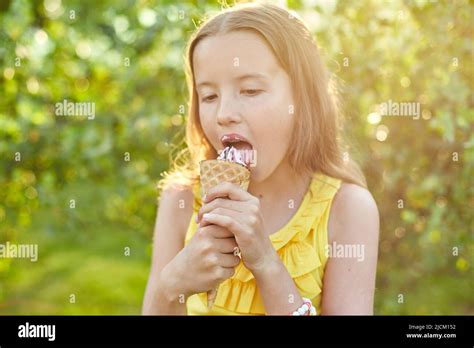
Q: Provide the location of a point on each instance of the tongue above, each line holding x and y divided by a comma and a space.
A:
242, 145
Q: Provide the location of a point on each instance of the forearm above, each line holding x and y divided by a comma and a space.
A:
278, 290
163, 298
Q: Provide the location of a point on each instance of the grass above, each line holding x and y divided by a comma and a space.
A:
82, 253
86, 260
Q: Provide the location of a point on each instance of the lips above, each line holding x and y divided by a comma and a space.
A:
236, 140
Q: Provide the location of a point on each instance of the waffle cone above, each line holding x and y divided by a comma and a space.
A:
214, 172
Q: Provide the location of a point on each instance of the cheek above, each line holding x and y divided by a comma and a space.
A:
278, 135
272, 130
276, 119
208, 124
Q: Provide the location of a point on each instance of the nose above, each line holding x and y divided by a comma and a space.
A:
228, 111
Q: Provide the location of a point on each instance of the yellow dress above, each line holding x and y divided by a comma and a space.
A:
301, 245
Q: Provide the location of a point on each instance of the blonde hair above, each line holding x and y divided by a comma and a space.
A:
317, 143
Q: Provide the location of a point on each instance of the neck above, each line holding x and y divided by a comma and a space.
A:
283, 183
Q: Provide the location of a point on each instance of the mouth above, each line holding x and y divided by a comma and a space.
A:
236, 140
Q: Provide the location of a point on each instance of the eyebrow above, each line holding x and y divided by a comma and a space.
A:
239, 78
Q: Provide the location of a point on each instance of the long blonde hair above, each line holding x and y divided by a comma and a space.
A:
317, 144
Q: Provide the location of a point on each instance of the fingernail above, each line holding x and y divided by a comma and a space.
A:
205, 216
204, 198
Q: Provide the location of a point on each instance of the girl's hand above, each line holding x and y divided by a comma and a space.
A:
229, 206
205, 262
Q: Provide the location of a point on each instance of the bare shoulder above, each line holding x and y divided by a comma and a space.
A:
173, 215
354, 214
176, 193
175, 207
349, 279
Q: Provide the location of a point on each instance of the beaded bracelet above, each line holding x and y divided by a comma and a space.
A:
306, 308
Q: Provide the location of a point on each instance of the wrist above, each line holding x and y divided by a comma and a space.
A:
171, 288
270, 267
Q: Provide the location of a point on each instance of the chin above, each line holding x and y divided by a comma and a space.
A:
254, 174
258, 175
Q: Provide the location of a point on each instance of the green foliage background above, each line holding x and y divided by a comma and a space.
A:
50, 50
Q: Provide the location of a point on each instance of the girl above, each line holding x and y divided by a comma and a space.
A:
307, 228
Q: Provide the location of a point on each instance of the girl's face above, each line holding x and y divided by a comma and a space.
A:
243, 90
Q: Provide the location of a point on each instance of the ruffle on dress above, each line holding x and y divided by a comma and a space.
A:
240, 292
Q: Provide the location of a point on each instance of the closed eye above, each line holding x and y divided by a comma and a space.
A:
251, 92
209, 98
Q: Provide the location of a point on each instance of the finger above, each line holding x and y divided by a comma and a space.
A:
228, 260
227, 189
227, 212
229, 222
226, 245
226, 273
220, 203
221, 211
215, 231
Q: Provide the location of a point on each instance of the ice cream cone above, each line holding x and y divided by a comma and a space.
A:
214, 172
